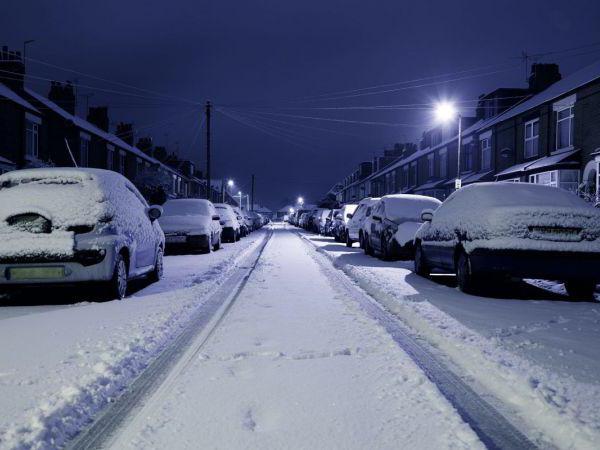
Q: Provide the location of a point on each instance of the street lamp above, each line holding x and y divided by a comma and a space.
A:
445, 112
230, 183
300, 201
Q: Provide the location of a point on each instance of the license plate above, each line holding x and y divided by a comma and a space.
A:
36, 273
175, 239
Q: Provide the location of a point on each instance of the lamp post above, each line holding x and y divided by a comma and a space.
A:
230, 184
300, 201
445, 112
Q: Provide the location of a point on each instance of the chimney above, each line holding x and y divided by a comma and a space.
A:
63, 96
99, 116
146, 145
125, 132
12, 69
542, 76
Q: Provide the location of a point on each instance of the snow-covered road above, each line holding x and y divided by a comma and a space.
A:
296, 364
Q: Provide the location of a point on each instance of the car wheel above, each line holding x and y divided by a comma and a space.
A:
421, 266
348, 241
157, 273
464, 274
385, 250
117, 286
367, 243
581, 289
217, 246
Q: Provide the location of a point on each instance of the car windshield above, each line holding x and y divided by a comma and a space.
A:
186, 208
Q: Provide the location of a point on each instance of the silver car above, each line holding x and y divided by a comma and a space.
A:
63, 226
191, 224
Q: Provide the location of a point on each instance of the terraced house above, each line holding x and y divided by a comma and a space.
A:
547, 134
38, 131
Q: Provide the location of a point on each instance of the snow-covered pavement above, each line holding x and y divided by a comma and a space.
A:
60, 365
296, 364
531, 348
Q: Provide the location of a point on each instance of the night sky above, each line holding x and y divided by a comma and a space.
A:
264, 61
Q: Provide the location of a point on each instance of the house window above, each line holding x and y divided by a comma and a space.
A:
122, 162
512, 180
413, 174
486, 153
430, 165
564, 128
84, 151
110, 157
31, 138
531, 138
139, 166
467, 158
443, 155
405, 180
564, 179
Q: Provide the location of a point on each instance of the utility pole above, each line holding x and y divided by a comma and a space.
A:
208, 181
252, 194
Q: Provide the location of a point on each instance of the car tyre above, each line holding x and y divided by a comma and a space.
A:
217, 246
464, 274
385, 250
157, 272
118, 285
581, 289
348, 241
421, 266
367, 243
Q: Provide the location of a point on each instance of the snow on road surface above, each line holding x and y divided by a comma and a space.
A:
60, 365
533, 349
296, 364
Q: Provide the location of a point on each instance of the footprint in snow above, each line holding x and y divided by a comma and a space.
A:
249, 422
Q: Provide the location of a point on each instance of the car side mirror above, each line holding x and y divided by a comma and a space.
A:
222, 222
427, 215
154, 212
349, 215
216, 217
377, 218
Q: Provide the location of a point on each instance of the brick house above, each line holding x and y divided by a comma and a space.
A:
546, 134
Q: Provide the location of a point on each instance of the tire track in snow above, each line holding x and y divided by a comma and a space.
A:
492, 428
199, 329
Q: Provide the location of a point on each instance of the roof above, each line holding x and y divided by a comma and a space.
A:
9, 94
91, 128
540, 163
430, 185
476, 177
6, 161
554, 91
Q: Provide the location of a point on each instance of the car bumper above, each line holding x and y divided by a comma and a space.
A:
551, 265
57, 272
193, 241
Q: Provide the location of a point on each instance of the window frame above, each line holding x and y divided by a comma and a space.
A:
32, 136
533, 138
488, 150
571, 119
431, 165
443, 162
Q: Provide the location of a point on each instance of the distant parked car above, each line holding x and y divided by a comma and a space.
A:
256, 220
240, 218
391, 228
340, 222
320, 220
229, 223
329, 222
487, 230
191, 224
303, 219
63, 226
354, 226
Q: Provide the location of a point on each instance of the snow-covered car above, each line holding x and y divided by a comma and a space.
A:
191, 224
65, 226
357, 219
320, 220
242, 221
522, 230
256, 220
390, 229
303, 219
329, 221
231, 227
341, 220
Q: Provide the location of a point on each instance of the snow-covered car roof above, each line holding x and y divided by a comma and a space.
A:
401, 207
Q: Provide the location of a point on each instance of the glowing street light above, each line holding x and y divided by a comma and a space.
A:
445, 112
230, 183
291, 210
300, 201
